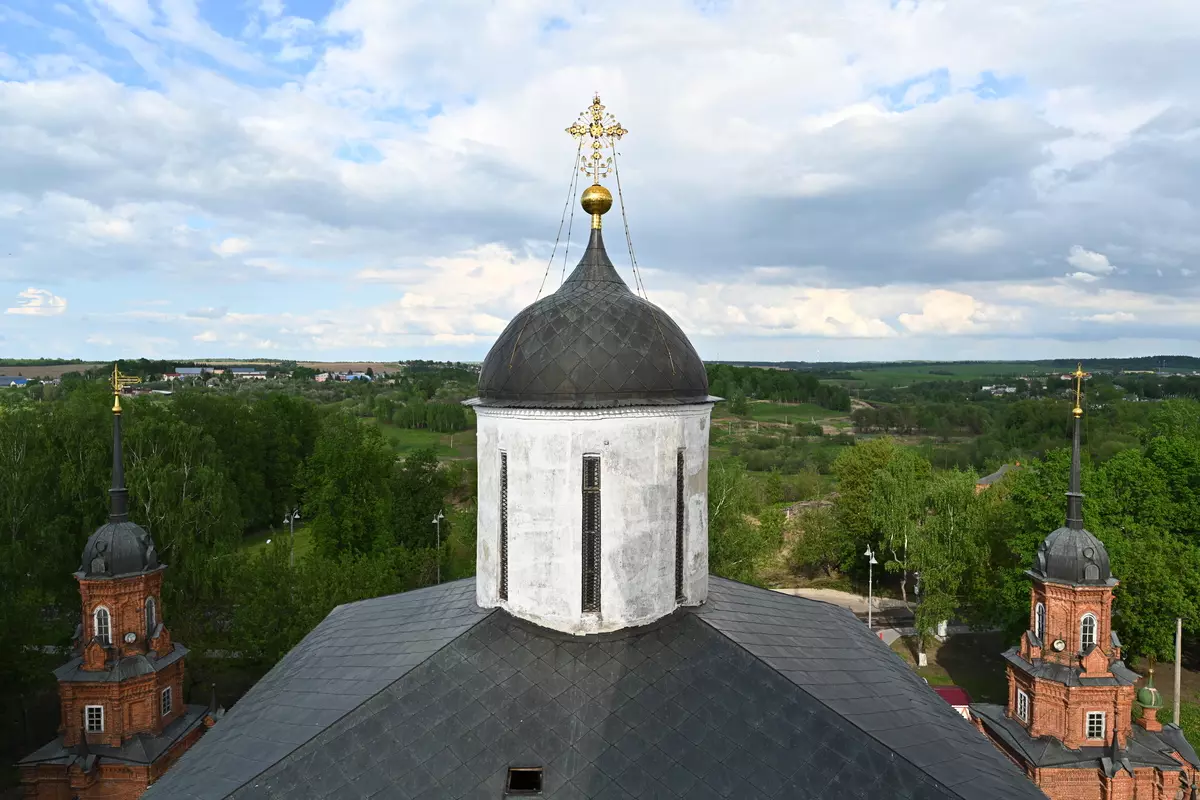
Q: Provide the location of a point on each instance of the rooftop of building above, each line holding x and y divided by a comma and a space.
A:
1143, 749
754, 694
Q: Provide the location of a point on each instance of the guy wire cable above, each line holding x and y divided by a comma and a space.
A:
637, 276
550, 262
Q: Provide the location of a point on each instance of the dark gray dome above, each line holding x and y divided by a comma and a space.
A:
592, 344
1073, 555
118, 548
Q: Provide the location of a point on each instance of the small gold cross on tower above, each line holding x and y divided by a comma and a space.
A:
599, 125
1079, 375
119, 382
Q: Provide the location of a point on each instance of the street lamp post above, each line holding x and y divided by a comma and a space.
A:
437, 521
871, 562
289, 519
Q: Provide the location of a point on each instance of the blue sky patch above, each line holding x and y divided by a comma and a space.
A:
994, 87
918, 90
359, 153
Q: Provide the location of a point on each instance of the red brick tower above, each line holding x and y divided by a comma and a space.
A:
1068, 721
123, 719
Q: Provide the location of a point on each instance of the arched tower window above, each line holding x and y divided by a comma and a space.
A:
151, 617
1087, 631
102, 625
1039, 620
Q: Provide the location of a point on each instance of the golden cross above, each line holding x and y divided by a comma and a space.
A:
601, 126
119, 382
1079, 375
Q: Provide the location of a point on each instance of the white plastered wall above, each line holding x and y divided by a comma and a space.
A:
638, 449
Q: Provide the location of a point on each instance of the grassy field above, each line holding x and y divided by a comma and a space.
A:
789, 412
448, 446
900, 374
46, 372
257, 541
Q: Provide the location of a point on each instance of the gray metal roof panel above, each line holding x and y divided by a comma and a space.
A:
306, 692
674, 709
869, 670
1144, 748
121, 669
141, 748
677, 708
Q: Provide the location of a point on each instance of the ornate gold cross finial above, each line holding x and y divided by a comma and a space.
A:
119, 382
601, 126
1079, 375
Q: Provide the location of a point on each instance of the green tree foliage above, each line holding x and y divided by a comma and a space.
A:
856, 469
821, 545
347, 488
738, 540
781, 385
440, 417
897, 510
279, 604
948, 550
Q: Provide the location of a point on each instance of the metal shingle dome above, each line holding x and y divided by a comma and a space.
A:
1073, 555
592, 344
119, 547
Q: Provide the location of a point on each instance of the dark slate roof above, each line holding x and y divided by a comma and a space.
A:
353, 654
1143, 749
141, 748
1073, 555
124, 669
1071, 675
117, 549
592, 344
755, 694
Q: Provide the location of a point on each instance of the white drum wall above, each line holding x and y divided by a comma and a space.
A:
637, 449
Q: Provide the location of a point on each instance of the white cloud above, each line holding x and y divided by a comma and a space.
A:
208, 313
1089, 261
231, 246
948, 312
1115, 316
205, 336
975, 239
403, 171
38, 303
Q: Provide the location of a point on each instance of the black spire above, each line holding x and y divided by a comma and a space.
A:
1074, 494
118, 496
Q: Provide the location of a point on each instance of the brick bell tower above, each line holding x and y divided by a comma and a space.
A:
123, 720
1068, 721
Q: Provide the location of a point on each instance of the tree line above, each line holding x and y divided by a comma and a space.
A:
780, 385
204, 470
970, 550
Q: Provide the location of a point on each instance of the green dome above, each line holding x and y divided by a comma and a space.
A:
1148, 696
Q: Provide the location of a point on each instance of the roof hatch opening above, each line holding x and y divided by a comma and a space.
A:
523, 781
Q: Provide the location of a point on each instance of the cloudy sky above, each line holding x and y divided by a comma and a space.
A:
382, 179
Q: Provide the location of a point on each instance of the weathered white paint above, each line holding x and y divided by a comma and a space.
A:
637, 449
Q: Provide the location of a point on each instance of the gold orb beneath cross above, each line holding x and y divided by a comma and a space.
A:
596, 199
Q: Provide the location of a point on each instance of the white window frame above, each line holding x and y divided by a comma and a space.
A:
166, 701
1039, 621
151, 616
1083, 643
87, 720
106, 638
1022, 705
1087, 725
